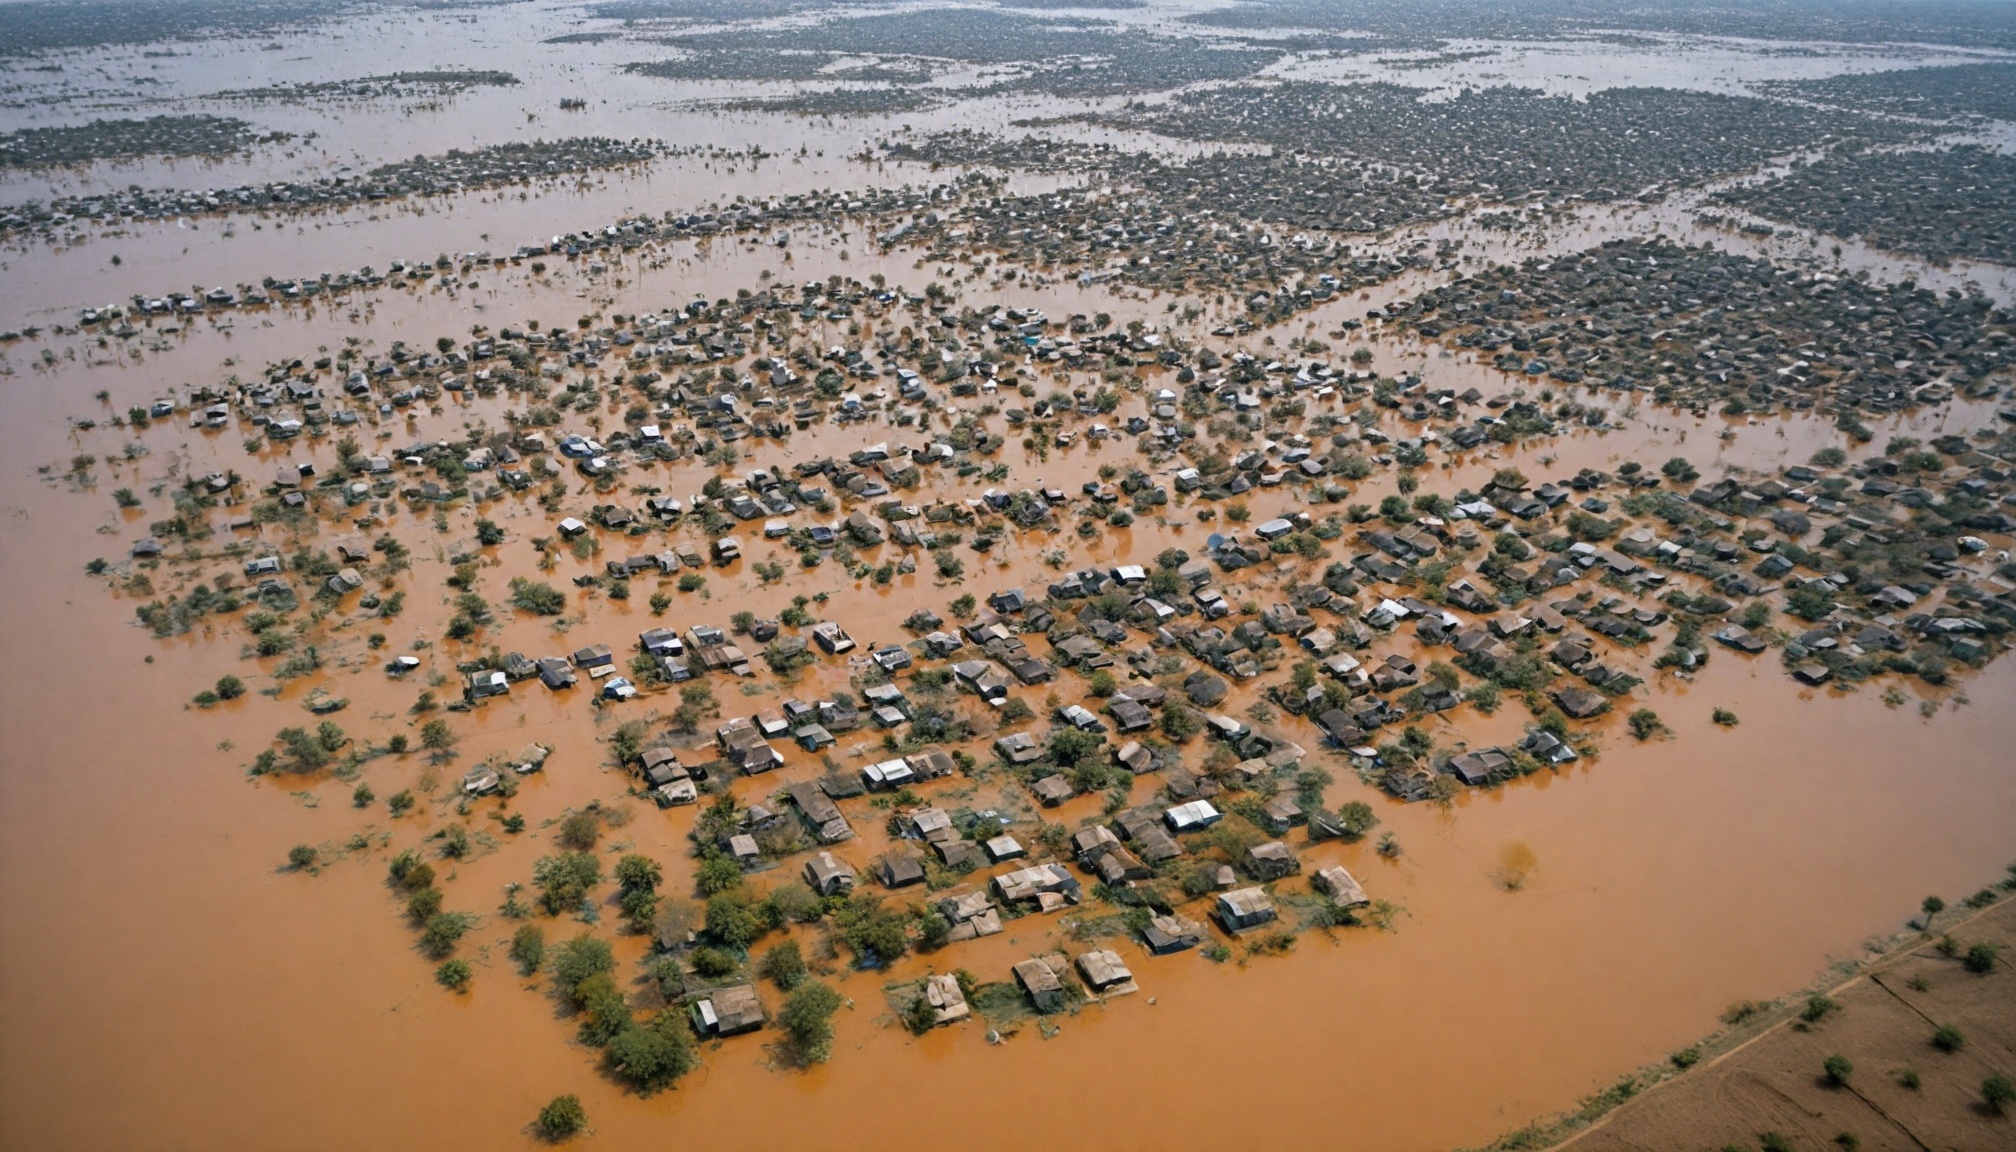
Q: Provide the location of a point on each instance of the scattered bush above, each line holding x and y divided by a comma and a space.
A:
537, 597
1948, 1039
653, 1055
528, 948
807, 1020
574, 961
441, 932
563, 1117
564, 879
301, 855
1837, 1069
1645, 724
713, 963
579, 831
454, 975
784, 965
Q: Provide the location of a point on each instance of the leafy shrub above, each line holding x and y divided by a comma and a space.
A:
562, 1117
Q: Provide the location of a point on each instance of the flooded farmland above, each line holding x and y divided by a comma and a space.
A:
606, 573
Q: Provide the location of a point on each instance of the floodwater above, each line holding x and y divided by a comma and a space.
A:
166, 982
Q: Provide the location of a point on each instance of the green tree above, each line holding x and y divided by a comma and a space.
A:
653, 1055
732, 920
575, 960
1645, 724
1838, 1069
436, 736
454, 975
604, 1013
579, 830
637, 873
410, 872
807, 1020
423, 904
307, 752
1357, 817
1069, 746
537, 597
564, 879
784, 965
301, 855
718, 872
441, 932
1810, 601
528, 947
562, 1117
639, 907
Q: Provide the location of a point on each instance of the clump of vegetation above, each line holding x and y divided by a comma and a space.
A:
652, 1055
537, 597
1817, 1009
1740, 1011
301, 856
1725, 717
454, 975
578, 959
579, 830
564, 879
1980, 958
1948, 1039
442, 930
1837, 1069
784, 965
637, 878
528, 948
562, 1117
1645, 724
807, 1020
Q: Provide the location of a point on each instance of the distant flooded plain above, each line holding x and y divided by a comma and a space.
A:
167, 981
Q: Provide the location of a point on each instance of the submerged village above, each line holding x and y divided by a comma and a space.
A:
956, 593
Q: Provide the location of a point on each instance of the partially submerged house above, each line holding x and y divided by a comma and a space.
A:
947, 1001
1105, 973
829, 875
1243, 910
728, 1011
1342, 888
1040, 982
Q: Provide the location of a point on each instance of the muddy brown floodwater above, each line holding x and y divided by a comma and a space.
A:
168, 982
239, 1005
